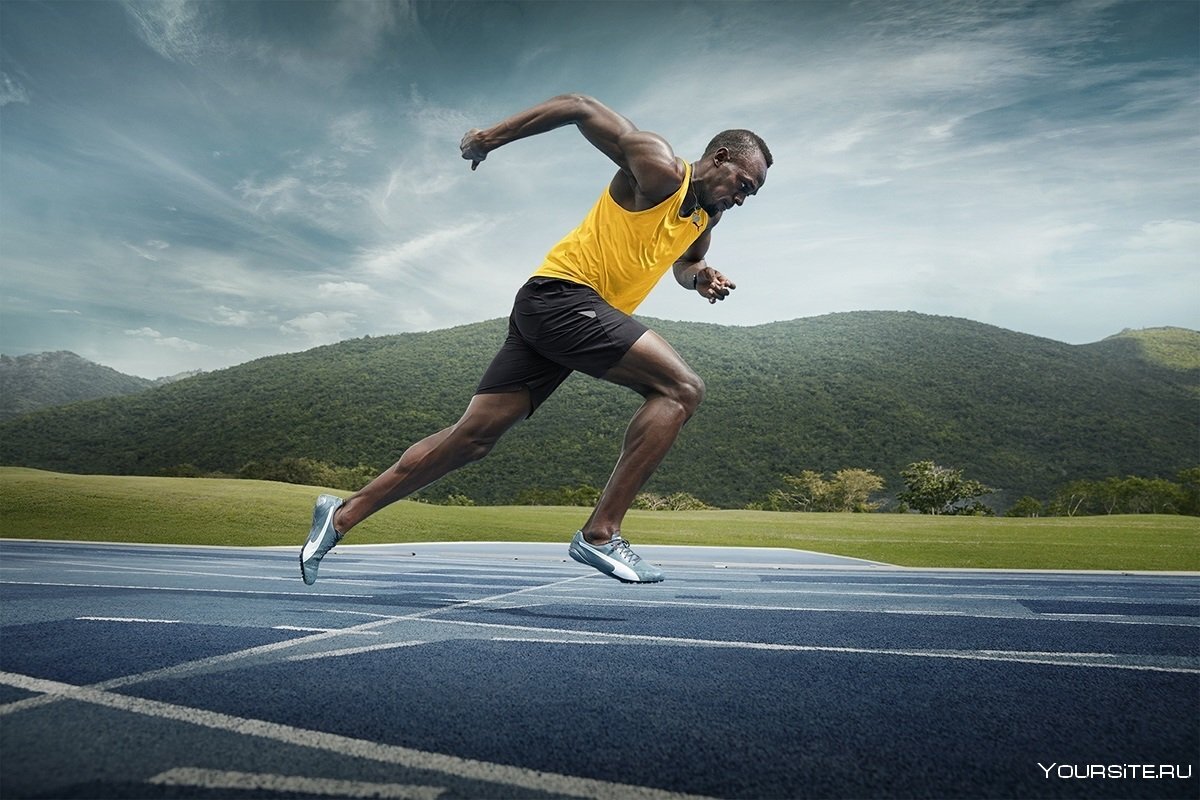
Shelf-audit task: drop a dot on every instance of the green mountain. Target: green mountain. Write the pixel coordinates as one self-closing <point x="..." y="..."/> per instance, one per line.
<point x="876" y="390"/>
<point x="1174" y="348"/>
<point x="40" y="380"/>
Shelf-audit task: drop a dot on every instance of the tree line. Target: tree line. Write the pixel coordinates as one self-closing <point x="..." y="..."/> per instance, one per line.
<point x="929" y="488"/>
<point x="1128" y="495"/>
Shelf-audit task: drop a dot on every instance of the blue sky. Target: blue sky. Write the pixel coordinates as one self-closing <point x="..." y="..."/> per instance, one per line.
<point x="195" y="185"/>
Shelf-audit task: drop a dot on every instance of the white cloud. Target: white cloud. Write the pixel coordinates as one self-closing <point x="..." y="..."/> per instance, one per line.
<point x="278" y="196"/>
<point x="319" y="327"/>
<point x="421" y="252"/>
<point x="11" y="90"/>
<point x="1176" y="235"/>
<point x="240" y="318"/>
<point x="352" y="133"/>
<point x="172" y="28"/>
<point x="171" y="342"/>
<point x="144" y="250"/>
<point x="352" y="290"/>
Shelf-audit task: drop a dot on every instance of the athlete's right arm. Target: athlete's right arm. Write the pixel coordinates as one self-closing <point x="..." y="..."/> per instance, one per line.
<point x="646" y="159"/>
<point x="602" y="126"/>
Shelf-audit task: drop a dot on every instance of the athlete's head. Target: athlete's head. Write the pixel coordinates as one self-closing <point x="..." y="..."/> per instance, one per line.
<point x="733" y="167"/>
<point x="741" y="144"/>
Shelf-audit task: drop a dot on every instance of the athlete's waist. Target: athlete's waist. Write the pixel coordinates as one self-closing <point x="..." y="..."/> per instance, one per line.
<point x="543" y="282"/>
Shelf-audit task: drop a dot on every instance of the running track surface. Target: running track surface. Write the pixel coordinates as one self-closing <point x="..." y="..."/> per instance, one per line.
<point x="473" y="670"/>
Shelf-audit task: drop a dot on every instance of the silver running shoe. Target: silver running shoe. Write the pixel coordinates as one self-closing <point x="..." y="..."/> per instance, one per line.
<point x="615" y="559"/>
<point x="321" y="538"/>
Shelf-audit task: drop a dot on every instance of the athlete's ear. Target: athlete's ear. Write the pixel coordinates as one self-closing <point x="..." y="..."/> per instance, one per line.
<point x="720" y="155"/>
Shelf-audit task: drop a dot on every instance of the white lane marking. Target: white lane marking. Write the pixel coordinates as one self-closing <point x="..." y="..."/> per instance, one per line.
<point x="189" y="667"/>
<point x="202" y="589"/>
<point x="323" y="630"/>
<point x="1174" y="622"/>
<point x="128" y="619"/>
<point x="1027" y="597"/>
<point x="963" y="655"/>
<point x="192" y="777"/>
<point x="192" y="666"/>
<point x="545" y="640"/>
<point x="517" y="777"/>
<point x="350" y="651"/>
<point x="383" y="578"/>
<point x="130" y="571"/>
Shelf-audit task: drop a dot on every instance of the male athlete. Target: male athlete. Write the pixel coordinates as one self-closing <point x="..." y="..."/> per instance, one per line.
<point x="658" y="212"/>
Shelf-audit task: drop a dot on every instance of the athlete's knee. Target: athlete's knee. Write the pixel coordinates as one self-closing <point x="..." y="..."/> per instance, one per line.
<point x="475" y="444"/>
<point x="688" y="391"/>
<point x="474" y="437"/>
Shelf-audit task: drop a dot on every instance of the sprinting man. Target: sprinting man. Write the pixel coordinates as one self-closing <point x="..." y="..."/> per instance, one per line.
<point x="657" y="213"/>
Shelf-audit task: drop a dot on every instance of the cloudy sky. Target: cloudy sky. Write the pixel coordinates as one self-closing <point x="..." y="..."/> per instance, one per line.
<point x="191" y="185"/>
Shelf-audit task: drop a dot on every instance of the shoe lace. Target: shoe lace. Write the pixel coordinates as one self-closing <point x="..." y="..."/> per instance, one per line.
<point x="621" y="549"/>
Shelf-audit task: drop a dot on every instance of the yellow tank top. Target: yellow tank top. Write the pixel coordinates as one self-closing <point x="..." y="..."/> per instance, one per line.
<point x="623" y="254"/>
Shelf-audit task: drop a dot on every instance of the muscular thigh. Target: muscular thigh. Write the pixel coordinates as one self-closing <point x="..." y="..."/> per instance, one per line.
<point x="651" y="365"/>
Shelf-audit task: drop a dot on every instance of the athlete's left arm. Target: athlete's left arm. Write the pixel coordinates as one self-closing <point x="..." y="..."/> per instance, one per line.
<point x="693" y="272"/>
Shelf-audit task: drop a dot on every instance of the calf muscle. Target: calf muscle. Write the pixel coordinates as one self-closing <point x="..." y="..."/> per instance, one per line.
<point x="487" y="418"/>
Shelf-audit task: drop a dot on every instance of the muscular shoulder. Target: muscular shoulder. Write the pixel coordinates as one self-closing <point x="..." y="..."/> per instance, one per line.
<point x="651" y="172"/>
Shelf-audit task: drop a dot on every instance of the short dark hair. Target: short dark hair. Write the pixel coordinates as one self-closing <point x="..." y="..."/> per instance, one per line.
<point x="741" y="144"/>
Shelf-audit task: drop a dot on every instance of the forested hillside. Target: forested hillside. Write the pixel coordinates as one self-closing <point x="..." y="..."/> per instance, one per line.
<point x="875" y="390"/>
<point x="40" y="380"/>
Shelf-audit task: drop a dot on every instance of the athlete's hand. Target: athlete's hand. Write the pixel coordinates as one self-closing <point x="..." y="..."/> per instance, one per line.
<point x="472" y="147"/>
<point x="712" y="285"/>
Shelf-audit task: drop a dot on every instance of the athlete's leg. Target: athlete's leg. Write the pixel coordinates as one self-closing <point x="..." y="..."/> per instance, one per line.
<point x="672" y="392"/>
<point x="487" y="418"/>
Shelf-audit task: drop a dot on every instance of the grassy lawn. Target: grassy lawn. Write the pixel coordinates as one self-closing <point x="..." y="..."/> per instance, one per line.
<point x="46" y="505"/>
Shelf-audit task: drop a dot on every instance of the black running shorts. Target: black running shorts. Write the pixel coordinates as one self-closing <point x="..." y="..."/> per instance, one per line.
<point x="557" y="327"/>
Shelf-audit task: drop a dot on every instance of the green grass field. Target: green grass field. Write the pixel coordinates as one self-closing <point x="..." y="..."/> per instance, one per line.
<point x="46" y="505"/>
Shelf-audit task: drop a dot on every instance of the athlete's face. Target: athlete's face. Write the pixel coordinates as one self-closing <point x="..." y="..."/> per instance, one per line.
<point x="732" y="180"/>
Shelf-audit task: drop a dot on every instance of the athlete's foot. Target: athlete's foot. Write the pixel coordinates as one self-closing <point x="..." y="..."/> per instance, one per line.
<point x="321" y="537"/>
<point x="615" y="559"/>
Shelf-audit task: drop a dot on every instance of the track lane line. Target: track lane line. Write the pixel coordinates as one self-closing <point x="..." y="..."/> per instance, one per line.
<point x="471" y="769"/>
<point x="1119" y="619"/>
<point x="190" y="667"/>
<point x="962" y="655"/>
<point x="196" y="778"/>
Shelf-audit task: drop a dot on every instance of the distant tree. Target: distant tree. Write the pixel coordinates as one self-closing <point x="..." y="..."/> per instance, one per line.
<point x="581" y="495"/>
<point x="1129" y="495"/>
<point x="1073" y="499"/>
<point x="847" y="490"/>
<point x="932" y="489"/>
<point x="183" y="471"/>
<point x="304" y="471"/>
<point x="1026" y="507"/>
<point x="1189" y="485"/>
<point x="851" y="490"/>
<point x="1136" y="495"/>
<point x="677" y="501"/>
<point x="803" y="492"/>
<point x="1152" y="496"/>
<point x="308" y="472"/>
<point x="1107" y="494"/>
<point x="974" y="508"/>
